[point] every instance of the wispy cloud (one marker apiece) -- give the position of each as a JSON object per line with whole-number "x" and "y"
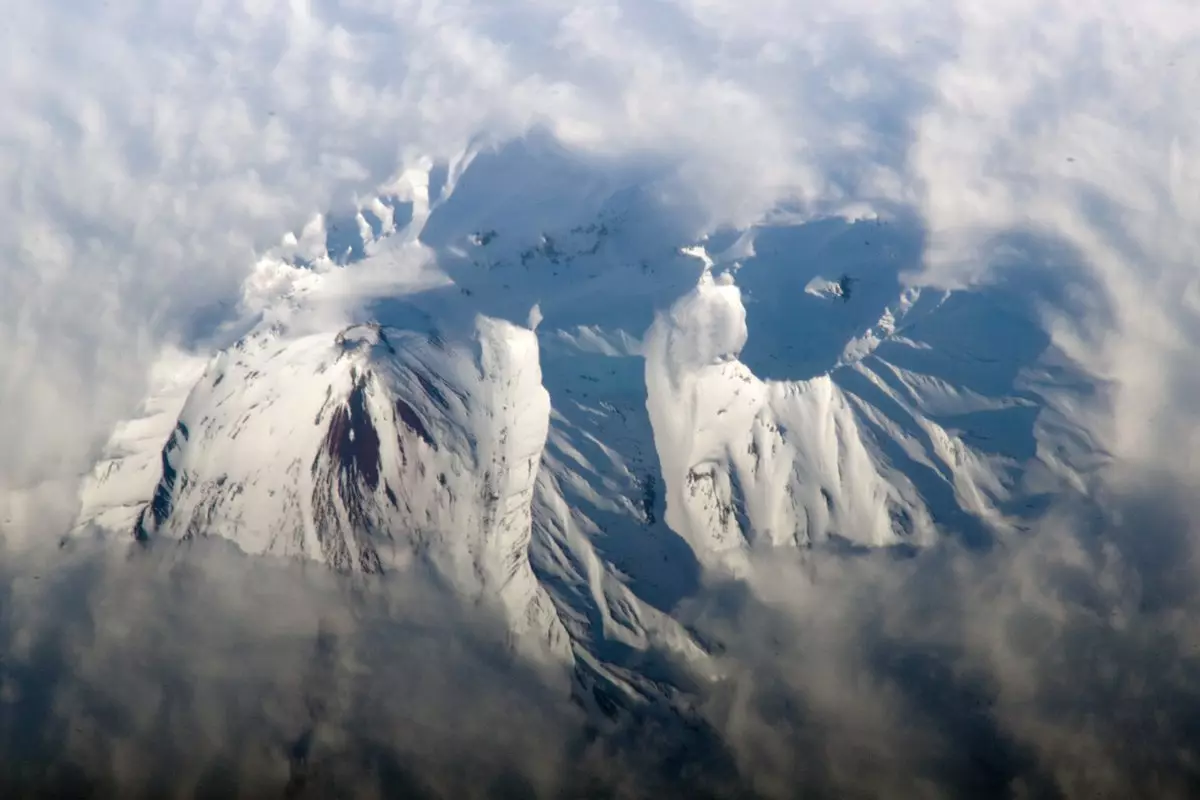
{"x": 1059, "y": 664}
{"x": 148, "y": 151}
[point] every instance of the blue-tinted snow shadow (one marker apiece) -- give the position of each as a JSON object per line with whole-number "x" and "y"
{"x": 531, "y": 223}
{"x": 594, "y": 250}
{"x": 344, "y": 240}
{"x": 796, "y": 335}
{"x": 602, "y": 399}
{"x": 988, "y": 340}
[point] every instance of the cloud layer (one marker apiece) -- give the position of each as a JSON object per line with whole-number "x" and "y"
{"x": 148, "y": 151}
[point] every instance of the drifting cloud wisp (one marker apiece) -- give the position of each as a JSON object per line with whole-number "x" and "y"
{"x": 149, "y": 151}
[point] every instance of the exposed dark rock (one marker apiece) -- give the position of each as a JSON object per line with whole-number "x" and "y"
{"x": 352, "y": 440}
{"x": 347, "y": 468}
{"x": 164, "y": 493}
{"x": 408, "y": 415}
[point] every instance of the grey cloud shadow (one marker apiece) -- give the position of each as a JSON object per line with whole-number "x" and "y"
{"x": 958, "y": 681}
{"x": 193, "y": 667}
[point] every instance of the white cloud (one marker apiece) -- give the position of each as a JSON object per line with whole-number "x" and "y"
{"x": 149, "y": 151}
{"x": 1060, "y": 664}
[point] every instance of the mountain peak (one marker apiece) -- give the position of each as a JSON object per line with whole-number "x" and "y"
{"x": 588, "y": 462}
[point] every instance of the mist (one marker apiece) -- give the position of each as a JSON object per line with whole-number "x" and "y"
{"x": 195, "y": 671}
{"x": 149, "y": 156}
{"x": 1061, "y": 663}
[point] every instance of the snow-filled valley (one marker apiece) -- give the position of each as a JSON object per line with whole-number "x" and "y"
{"x": 529, "y": 374}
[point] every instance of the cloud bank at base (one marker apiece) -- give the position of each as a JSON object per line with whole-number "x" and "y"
{"x": 196, "y": 671}
{"x": 1062, "y": 664}
{"x": 148, "y": 152}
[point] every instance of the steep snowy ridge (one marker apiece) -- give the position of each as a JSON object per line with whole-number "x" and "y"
{"x": 748, "y": 461}
{"x": 133, "y": 460}
{"x": 523, "y": 373}
{"x": 367, "y": 450}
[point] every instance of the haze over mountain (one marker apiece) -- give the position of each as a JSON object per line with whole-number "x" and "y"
{"x": 669, "y": 398}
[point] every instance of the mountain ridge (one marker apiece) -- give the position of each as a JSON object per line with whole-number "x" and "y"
{"x": 564, "y": 413}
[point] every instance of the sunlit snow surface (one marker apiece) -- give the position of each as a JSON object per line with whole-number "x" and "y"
{"x": 684, "y": 401}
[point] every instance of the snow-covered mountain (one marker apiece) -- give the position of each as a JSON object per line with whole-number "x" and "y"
{"x": 531, "y": 374}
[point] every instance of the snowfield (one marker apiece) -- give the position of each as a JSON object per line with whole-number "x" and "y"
{"x": 531, "y": 376}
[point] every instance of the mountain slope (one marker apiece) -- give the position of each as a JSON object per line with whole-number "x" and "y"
{"x": 525, "y": 373}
